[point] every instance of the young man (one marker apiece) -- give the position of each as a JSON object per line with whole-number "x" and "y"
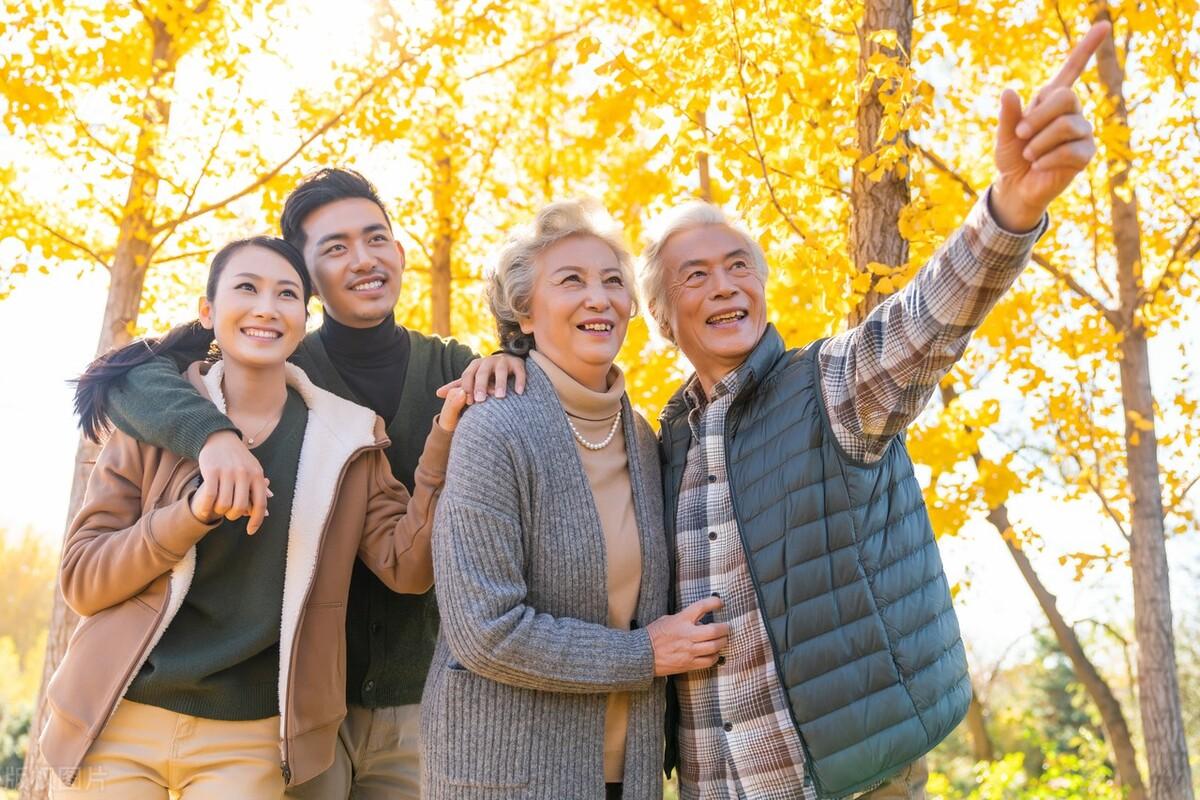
{"x": 790, "y": 494}
{"x": 336, "y": 219}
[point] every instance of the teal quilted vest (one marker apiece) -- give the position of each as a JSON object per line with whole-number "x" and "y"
{"x": 848, "y": 576}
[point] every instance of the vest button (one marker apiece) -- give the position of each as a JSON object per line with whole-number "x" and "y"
{"x": 369, "y": 686}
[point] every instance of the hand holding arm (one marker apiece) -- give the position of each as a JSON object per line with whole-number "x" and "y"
{"x": 113, "y": 550}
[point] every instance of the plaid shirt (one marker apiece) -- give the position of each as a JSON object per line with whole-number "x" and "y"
{"x": 736, "y": 736}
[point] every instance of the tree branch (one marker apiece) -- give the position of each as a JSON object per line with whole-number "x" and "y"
{"x": 762, "y": 161}
{"x": 373, "y": 86}
{"x": 1171, "y": 509}
{"x": 1167, "y": 278}
{"x": 191, "y": 193}
{"x": 717, "y": 136}
{"x": 531, "y": 50}
{"x": 62, "y": 237}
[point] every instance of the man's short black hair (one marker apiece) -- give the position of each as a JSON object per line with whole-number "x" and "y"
{"x": 319, "y": 189}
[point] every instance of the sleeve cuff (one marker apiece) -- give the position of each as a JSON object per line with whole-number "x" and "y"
{"x": 174, "y": 528}
{"x": 998, "y": 239}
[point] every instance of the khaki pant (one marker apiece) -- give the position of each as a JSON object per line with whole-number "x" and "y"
{"x": 908, "y": 784}
{"x": 378, "y": 757}
{"x": 149, "y": 753}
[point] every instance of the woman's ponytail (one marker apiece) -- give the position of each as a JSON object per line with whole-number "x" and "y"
{"x": 183, "y": 344}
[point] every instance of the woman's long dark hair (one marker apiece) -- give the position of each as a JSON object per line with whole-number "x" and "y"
{"x": 183, "y": 343}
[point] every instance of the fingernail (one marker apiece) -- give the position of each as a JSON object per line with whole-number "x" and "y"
{"x": 1027, "y": 154}
{"x": 1023, "y": 130}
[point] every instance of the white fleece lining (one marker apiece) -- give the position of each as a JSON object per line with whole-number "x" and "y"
{"x": 323, "y": 454}
{"x": 179, "y": 583}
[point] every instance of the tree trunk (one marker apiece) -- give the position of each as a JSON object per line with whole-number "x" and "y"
{"x": 981, "y": 741}
{"x": 876, "y": 237}
{"x": 1111, "y": 715}
{"x": 127, "y": 276}
{"x": 876, "y": 205}
{"x": 1158, "y": 682}
{"x": 443, "y": 240}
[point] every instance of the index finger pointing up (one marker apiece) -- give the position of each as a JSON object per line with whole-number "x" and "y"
{"x": 1078, "y": 60}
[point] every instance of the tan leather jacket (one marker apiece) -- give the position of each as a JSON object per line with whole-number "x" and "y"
{"x": 130, "y": 556}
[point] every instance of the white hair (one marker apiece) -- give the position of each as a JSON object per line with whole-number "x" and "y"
{"x": 510, "y": 282}
{"x": 654, "y": 278}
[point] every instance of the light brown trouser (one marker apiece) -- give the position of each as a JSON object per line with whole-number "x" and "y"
{"x": 908, "y": 784}
{"x": 149, "y": 753}
{"x": 378, "y": 757}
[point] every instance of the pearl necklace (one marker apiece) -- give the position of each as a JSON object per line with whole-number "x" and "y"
{"x": 593, "y": 445}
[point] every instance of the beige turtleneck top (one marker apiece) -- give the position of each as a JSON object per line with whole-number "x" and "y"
{"x": 607, "y": 469}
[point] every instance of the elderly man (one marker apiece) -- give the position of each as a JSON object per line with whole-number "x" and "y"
{"x": 790, "y": 493}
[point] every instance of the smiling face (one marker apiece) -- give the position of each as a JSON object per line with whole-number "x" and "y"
{"x": 257, "y": 313}
{"x": 580, "y": 308}
{"x": 355, "y": 262}
{"x": 717, "y": 301}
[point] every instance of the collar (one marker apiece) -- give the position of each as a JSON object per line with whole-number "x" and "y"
{"x": 764, "y": 355}
{"x": 342, "y": 340}
{"x": 578, "y": 400}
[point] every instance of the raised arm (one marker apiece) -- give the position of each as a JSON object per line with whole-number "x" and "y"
{"x": 396, "y": 542}
{"x": 487, "y": 618}
{"x": 878, "y": 377}
{"x": 113, "y": 550}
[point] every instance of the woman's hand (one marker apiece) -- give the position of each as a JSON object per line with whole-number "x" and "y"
{"x": 452, "y": 408}
{"x": 682, "y": 643}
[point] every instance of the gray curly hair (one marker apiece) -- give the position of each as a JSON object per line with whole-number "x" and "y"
{"x": 510, "y": 282}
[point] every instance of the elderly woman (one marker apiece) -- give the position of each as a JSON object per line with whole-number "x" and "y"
{"x": 550, "y": 559}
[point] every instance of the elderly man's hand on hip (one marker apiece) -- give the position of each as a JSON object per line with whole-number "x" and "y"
{"x": 1040, "y": 150}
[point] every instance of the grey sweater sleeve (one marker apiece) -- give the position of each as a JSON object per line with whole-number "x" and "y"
{"x": 490, "y": 626}
{"x": 156, "y": 405}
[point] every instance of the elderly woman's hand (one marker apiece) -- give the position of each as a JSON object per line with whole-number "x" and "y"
{"x": 681, "y": 642}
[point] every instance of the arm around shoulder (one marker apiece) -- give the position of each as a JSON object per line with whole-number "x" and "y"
{"x": 155, "y": 404}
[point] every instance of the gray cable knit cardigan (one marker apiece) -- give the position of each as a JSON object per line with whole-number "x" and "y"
{"x": 515, "y": 700}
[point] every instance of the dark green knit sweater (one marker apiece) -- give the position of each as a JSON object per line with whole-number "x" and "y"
{"x": 389, "y": 636}
{"x": 219, "y": 658}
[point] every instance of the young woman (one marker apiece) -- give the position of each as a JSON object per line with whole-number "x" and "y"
{"x": 552, "y": 566}
{"x": 210, "y": 663}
